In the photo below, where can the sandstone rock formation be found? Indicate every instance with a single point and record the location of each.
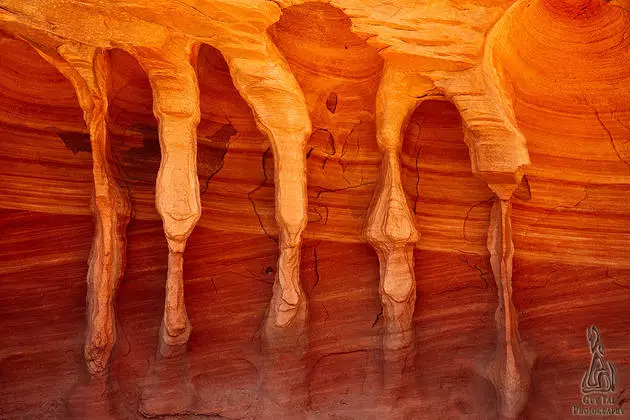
(276, 142)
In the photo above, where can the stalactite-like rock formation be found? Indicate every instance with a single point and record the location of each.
(88, 70)
(345, 180)
(390, 228)
(176, 107)
(266, 83)
(510, 370)
(497, 151)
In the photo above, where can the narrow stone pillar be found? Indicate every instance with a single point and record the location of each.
(176, 107)
(112, 211)
(88, 70)
(499, 156)
(390, 229)
(510, 369)
(264, 79)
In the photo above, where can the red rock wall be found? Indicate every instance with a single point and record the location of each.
(571, 227)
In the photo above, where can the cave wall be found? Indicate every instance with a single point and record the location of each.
(570, 227)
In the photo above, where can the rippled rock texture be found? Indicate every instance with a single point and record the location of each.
(288, 209)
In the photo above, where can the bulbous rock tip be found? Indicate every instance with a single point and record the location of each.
(175, 331)
(97, 358)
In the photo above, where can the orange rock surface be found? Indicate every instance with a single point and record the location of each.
(289, 209)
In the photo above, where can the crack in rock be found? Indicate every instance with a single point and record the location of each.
(252, 192)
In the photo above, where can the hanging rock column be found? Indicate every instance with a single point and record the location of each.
(176, 108)
(88, 69)
(263, 78)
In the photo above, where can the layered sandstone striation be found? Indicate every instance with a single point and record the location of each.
(289, 209)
